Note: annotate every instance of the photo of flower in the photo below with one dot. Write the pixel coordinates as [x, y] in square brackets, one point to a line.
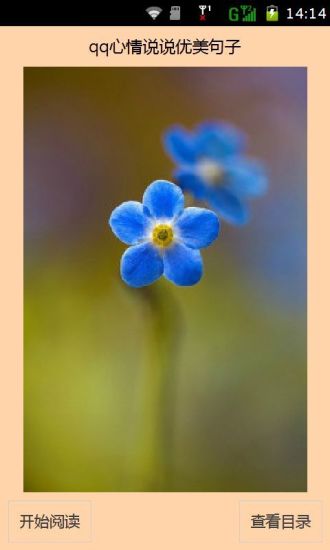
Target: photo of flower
[165, 279]
[211, 165]
[165, 236]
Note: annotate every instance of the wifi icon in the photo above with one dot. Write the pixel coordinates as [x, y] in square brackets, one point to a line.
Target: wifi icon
[154, 11]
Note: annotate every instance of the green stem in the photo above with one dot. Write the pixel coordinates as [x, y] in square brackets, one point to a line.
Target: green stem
[158, 406]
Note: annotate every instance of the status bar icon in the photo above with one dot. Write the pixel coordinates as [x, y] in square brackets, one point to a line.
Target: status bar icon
[175, 13]
[154, 11]
[272, 14]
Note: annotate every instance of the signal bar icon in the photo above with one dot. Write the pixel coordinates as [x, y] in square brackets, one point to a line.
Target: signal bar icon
[154, 12]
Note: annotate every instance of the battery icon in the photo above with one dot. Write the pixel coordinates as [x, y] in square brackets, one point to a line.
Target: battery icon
[272, 14]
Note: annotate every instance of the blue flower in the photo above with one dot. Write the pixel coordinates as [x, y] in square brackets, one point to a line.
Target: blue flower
[211, 165]
[165, 236]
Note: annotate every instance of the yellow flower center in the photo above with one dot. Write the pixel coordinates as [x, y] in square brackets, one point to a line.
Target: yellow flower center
[162, 235]
[210, 171]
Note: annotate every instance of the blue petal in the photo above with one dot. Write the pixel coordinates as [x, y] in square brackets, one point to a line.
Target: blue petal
[219, 140]
[141, 265]
[129, 223]
[163, 199]
[245, 177]
[182, 265]
[179, 145]
[190, 181]
[198, 227]
[228, 206]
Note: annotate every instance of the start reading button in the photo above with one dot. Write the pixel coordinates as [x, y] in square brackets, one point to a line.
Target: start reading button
[280, 521]
[49, 521]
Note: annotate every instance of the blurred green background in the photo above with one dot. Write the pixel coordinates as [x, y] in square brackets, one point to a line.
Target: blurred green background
[238, 365]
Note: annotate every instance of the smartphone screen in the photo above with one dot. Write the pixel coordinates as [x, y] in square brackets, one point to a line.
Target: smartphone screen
[163, 385]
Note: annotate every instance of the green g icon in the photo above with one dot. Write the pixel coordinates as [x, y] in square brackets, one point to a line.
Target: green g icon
[234, 14]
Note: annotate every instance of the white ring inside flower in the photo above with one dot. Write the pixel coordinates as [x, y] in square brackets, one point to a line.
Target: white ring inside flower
[210, 171]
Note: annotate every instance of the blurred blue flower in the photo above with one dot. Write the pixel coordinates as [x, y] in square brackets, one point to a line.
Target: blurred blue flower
[165, 236]
[211, 165]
